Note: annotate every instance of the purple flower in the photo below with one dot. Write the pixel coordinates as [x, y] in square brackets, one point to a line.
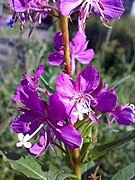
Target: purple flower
[47, 120]
[84, 95]
[32, 82]
[124, 115]
[106, 9]
[32, 10]
[77, 51]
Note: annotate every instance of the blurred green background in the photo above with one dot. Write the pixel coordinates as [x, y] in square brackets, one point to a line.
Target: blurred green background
[114, 58]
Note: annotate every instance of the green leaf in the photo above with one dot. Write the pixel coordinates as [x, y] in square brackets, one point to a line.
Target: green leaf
[110, 142]
[30, 166]
[126, 173]
[47, 85]
[65, 176]
[120, 82]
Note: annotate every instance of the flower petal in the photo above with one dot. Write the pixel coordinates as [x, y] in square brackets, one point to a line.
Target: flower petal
[56, 59]
[88, 79]
[112, 9]
[28, 97]
[124, 117]
[67, 7]
[106, 102]
[57, 109]
[17, 5]
[65, 86]
[69, 136]
[57, 42]
[79, 43]
[85, 57]
[42, 145]
[19, 125]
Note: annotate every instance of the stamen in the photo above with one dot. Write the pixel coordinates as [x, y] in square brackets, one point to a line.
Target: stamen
[58, 130]
[100, 9]
[29, 123]
[101, 5]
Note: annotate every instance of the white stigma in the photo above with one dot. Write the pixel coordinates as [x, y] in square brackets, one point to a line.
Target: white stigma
[132, 106]
[23, 141]
[25, 138]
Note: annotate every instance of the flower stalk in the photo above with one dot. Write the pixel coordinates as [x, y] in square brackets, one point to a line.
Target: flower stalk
[66, 44]
[77, 163]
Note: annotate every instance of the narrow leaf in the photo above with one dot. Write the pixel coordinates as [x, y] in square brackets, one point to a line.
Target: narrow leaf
[126, 173]
[120, 82]
[110, 142]
[47, 86]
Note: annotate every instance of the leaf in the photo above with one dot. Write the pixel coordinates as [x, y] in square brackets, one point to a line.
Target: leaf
[66, 175]
[110, 142]
[30, 166]
[47, 85]
[126, 173]
[120, 82]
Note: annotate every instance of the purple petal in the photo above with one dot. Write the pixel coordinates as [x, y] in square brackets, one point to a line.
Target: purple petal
[79, 43]
[97, 90]
[28, 97]
[56, 59]
[37, 149]
[69, 136]
[124, 117]
[67, 7]
[58, 41]
[57, 109]
[28, 81]
[17, 5]
[65, 86]
[85, 57]
[112, 9]
[19, 124]
[39, 72]
[106, 102]
[28, 122]
[40, 147]
[88, 79]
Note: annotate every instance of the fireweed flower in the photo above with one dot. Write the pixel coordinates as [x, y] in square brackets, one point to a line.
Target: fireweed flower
[123, 114]
[45, 120]
[77, 51]
[84, 95]
[32, 10]
[32, 81]
[106, 9]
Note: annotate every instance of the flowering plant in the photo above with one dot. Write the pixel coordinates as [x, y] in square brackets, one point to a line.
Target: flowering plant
[67, 117]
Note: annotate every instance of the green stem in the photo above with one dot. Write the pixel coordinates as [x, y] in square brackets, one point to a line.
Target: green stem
[66, 43]
[77, 163]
